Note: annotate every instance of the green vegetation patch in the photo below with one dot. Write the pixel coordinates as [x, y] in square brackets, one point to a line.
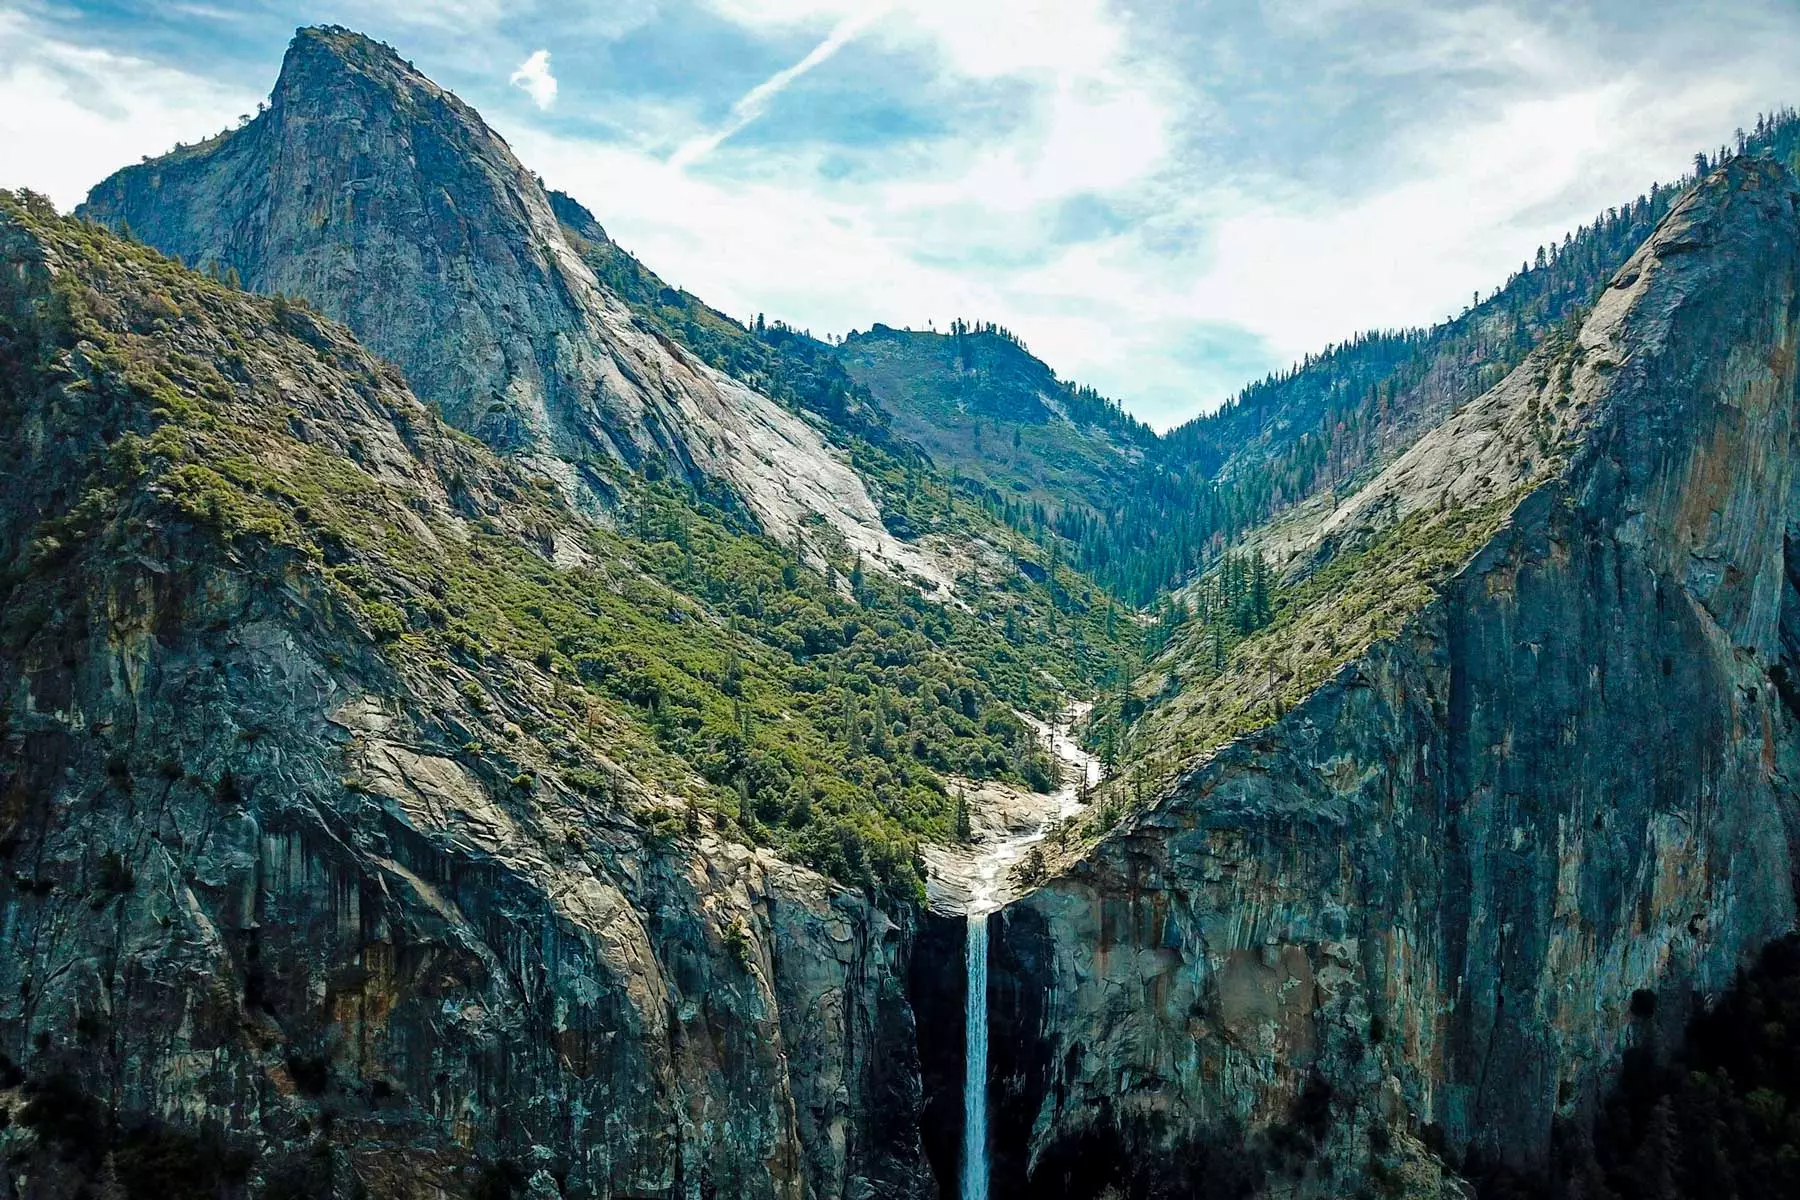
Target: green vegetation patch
[1253, 649]
[678, 664]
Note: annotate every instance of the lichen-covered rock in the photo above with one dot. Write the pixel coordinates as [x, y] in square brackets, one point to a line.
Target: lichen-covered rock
[1447, 891]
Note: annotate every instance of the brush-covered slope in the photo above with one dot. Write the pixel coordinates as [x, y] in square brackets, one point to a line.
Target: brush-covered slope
[1513, 784]
[388, 203]
[373, 822]
[982, 405]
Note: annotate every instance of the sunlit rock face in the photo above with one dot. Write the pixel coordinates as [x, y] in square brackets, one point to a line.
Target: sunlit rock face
[381, 198]
[1420, 905]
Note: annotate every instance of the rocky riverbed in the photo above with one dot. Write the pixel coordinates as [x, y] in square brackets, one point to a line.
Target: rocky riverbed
[1007, 822]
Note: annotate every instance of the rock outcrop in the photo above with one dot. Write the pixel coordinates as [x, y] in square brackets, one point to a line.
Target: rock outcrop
[1446, 892]
[342, 909]
[385, 201]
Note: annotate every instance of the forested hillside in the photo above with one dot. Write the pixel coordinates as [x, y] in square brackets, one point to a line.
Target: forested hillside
[1322, 423]
[983, 407]
[815, 710]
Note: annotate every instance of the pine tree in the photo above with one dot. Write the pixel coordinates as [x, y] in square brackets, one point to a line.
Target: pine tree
[852, 725]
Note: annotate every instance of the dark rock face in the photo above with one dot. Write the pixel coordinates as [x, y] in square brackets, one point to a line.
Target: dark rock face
[937, 987]
[251, 880]
[1020, 1072]
[1427, 896]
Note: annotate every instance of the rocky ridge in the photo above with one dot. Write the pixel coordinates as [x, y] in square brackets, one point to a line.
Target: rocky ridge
[363, 170]
[1424, 899]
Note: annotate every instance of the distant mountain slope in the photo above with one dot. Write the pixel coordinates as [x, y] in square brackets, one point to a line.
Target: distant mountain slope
[388, 203]
[1325, 423]
[983, 406]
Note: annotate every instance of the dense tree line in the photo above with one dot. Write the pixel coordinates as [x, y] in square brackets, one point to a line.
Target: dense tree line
[1716, 1118]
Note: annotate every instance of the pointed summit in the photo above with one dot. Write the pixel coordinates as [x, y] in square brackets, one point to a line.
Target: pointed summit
[389, 204]
[335, 48]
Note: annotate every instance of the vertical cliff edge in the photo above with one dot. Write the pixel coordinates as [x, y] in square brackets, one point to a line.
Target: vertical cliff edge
[1547, 809]
[289, 901]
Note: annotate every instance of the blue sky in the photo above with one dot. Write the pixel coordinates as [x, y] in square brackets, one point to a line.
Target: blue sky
[1165, 199]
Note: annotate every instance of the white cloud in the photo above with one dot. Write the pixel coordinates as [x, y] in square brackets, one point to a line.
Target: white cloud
[755, 232]
[70, 116]
[1478, 197]
[984, 39]
[535, 79]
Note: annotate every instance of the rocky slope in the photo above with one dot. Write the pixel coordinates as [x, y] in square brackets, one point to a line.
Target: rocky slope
[302, 891]
[1543, 803]
[388, 203]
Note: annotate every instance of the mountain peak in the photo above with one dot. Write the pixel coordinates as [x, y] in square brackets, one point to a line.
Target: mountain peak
[575, 215]
[341, 76]
[335, 48]
[390, 205]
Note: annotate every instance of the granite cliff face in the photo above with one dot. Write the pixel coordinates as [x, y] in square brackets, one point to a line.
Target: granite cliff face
[387, 202]
[1443, 894]
[379, 924]
[320, 871]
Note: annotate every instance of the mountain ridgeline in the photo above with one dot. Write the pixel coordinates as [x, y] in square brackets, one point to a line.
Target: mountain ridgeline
[475, 720]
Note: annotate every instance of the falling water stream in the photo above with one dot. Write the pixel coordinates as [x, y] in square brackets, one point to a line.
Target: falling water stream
[975, 1158]
[989, 888]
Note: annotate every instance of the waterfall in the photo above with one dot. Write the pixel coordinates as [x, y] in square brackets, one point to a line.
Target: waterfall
[975, 1057]
[987, 874]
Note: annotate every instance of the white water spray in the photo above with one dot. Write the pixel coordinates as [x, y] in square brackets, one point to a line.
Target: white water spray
[975, 1058]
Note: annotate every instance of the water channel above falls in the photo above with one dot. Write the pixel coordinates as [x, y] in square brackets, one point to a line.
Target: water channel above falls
[970, 882]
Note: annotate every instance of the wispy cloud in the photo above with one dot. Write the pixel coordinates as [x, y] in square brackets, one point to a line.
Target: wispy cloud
[71, 115]
[756, 101]
[534, 78]
[1164, 197]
